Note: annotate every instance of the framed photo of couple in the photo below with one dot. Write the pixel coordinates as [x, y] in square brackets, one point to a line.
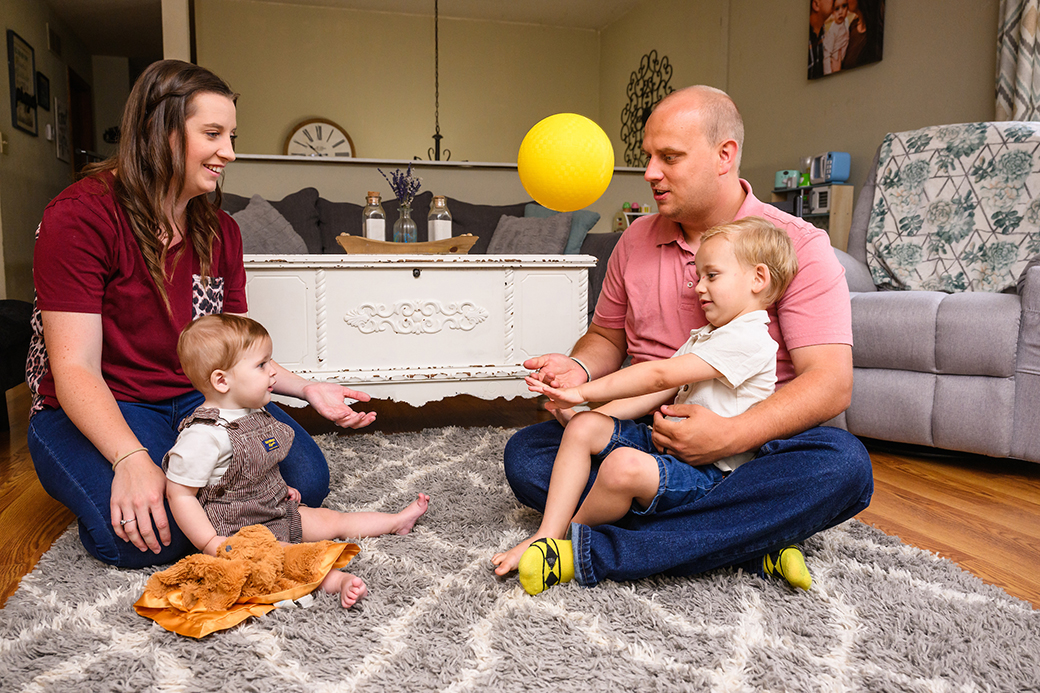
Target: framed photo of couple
[844, 34]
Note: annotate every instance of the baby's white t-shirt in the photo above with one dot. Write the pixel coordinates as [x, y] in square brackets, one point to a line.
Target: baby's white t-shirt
[202, 452]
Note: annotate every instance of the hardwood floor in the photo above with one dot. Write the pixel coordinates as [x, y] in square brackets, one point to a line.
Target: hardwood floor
[982, 513]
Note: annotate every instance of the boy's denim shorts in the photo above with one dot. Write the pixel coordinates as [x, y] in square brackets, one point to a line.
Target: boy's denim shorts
[680, 484]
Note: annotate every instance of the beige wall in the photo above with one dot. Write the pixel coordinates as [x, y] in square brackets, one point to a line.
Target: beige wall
[111, 90]
[938, 67]
[692, 35]
[373, 74]
[30, 172]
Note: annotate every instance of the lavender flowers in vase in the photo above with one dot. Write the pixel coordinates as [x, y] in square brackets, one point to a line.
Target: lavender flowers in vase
[405, 186]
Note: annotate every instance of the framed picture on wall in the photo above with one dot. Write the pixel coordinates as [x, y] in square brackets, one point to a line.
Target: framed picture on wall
[21, 64]
[43, 91]
[844, 34]
[62, 131]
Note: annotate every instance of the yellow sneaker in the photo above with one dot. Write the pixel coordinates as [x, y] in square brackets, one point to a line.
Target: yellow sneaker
[546, 563]
[788, 563]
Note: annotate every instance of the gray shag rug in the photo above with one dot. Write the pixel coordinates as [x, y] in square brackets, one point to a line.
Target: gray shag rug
[881, 616]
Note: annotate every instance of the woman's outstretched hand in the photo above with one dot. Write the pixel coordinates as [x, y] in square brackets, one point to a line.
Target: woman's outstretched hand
[328, 400]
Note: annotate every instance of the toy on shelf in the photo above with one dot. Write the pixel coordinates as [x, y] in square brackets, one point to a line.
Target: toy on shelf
[630, 211]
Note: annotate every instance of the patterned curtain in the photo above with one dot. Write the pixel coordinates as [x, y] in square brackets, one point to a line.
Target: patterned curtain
[1018, 61]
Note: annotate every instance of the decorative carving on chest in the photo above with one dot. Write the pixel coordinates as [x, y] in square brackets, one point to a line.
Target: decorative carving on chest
[416, 317]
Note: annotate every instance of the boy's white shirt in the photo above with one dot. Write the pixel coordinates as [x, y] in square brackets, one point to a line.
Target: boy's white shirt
[744, 353]
[202, 453]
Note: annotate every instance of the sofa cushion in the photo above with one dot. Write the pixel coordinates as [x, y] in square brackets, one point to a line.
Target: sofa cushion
[479, 220]
[581, 222]
[977, 334]
[231, 203]
[335, 218]
[265, 231]
[954, 207]
[531, 235]
[933, 332]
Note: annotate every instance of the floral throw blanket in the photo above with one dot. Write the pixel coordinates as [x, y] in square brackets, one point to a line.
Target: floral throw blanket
[956, 207]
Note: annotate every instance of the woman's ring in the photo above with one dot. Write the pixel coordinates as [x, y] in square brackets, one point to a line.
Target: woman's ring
[123, 522]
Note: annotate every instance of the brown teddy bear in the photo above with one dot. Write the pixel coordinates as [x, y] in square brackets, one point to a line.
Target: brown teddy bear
[251, 569]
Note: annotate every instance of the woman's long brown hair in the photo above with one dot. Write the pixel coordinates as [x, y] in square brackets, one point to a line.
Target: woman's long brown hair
[149, 165]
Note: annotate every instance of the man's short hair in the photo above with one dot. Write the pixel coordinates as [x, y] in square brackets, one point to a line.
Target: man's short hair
[721, 119]
[756, 241]
[215, 342]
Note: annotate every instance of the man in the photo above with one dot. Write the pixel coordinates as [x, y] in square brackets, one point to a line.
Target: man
[805, 478]
[819, 11]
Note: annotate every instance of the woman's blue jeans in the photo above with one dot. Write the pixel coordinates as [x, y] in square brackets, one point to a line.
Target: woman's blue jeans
[73, 472]
[793, 489]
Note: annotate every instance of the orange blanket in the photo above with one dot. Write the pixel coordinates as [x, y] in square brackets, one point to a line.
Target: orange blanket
[183, 610]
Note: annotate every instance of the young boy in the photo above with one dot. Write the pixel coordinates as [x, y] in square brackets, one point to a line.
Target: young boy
[222, 473]
[725, 366]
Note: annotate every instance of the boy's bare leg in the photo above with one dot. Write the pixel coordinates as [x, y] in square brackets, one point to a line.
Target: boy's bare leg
[348, 586]
[586, 434]
[323, 523]
[625, 475]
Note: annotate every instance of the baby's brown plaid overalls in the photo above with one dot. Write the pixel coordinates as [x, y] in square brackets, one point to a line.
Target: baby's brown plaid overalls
[252, 491]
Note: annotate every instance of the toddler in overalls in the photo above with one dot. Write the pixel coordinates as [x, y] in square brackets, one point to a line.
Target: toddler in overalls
[222, 473]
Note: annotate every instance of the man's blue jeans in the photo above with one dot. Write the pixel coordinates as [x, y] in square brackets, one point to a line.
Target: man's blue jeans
[793, 489]
[73, 472]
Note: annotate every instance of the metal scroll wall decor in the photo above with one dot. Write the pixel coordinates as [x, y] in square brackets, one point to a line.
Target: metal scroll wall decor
[647, 86]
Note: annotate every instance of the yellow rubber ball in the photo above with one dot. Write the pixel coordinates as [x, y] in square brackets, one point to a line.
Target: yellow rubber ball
[565, 162]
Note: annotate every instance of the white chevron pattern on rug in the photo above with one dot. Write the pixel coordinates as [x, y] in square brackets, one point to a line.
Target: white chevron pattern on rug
[881, 616]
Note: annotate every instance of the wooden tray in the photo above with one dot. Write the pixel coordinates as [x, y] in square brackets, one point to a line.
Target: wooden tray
[357, 245]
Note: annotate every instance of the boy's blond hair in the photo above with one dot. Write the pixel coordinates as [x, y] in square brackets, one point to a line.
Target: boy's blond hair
[756, 241]
[215, 342]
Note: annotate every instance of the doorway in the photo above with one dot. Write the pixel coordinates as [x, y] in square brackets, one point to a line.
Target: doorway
[81, 123]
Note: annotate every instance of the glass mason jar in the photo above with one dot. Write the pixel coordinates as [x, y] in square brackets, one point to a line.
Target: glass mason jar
[439, 219]
[373, 217]
[405, 230]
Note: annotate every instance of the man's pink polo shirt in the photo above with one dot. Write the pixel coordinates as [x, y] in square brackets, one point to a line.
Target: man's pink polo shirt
[650, 289]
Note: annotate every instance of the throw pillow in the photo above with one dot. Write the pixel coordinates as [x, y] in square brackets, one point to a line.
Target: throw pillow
[231, 203]
[954, 207]
[265, 231]
[479, 220]
[582, 222]
[531, 235]
[301, 210]
[336, 218]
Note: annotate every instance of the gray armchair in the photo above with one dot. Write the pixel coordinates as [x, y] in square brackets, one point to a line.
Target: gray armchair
[945, 296]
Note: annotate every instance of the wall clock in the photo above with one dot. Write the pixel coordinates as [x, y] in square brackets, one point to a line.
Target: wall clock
[318, 137]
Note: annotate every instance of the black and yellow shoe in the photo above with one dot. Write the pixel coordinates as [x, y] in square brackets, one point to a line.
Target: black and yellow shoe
[546, 563]
[788, 563]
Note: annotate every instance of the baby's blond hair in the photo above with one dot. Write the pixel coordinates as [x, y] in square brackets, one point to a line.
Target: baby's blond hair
[215, 342]
[756, 241]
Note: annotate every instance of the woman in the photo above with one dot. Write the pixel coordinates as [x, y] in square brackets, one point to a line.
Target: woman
[124, 259]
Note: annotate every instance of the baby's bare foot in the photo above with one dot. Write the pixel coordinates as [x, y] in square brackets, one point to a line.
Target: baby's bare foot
[348, 586]
[354, 588]
[408, 516]
[507, 561]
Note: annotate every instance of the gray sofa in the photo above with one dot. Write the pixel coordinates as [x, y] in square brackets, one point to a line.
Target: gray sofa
[315, 222]
[943, 268]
